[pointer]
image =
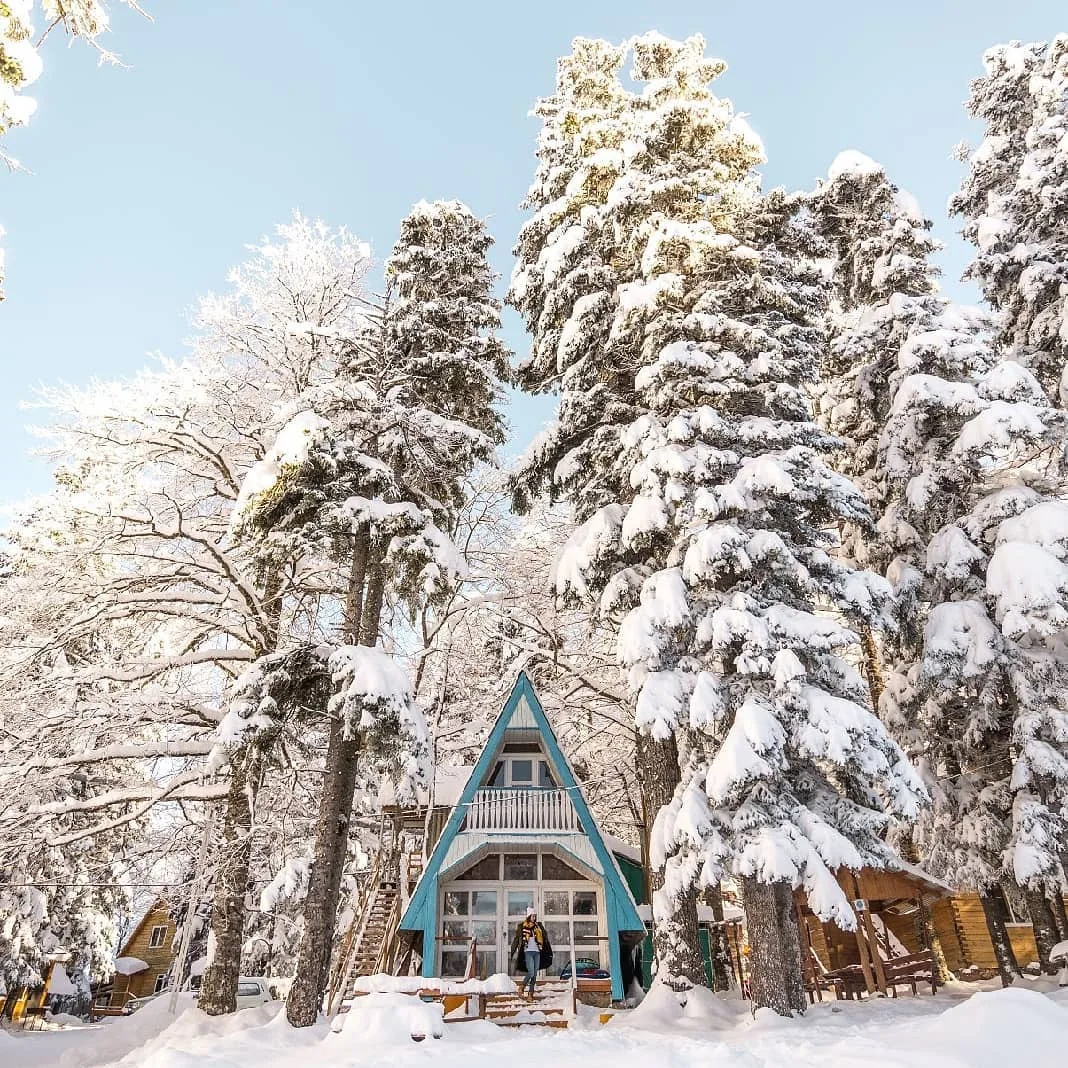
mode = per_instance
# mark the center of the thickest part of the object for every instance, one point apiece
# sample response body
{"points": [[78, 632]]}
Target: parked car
{"points": [[251, 990], [587, 969]]}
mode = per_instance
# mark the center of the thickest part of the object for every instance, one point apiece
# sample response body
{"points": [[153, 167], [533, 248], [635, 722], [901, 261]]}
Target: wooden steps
{"points": [[552, 1006]]}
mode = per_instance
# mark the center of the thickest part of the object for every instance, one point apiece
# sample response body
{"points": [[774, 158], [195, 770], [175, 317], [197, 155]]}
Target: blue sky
{"points": [[149, 181]]}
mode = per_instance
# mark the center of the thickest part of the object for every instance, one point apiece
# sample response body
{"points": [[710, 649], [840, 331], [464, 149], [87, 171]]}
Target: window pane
{"points": [[455, 931], [488, 869], [545, 777], [559, 935], [585, 903], [456, 903], [556, 901], [484, 903], [523, 866], [585, 930], [248, 990], [522, 772], [552, 867], [486, 963], [485, 931], [513, 926], [497, 780], [519, 901], [453, 963]]}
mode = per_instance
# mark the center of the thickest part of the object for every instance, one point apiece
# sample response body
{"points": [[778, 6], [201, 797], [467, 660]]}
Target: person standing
{"points": [[531, 950]]}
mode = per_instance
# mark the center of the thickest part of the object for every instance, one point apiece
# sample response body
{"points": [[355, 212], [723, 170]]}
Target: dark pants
{"points": [[533, 958]]}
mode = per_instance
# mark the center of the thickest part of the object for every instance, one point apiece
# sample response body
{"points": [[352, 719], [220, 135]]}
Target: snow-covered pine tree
{"points": [[907, 372], [705, 502], [571, 265], [1014, 203], [371, 479], [733, 633]]}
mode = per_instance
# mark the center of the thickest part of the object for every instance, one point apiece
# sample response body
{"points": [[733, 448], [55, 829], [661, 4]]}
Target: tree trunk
{"points": [[872, 667], [1060, 916], [1045, 928], [719, 947], [218, 989], [363, 612], [994, 911], [769, 971], [791, 947], [676, 943]]}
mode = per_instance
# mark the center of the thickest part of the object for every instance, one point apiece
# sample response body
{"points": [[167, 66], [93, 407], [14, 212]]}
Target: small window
{"points": [[545, 776], [248, 990], [497, 778], [556, 902], [484, 903], [159, 933], [161, 982], [585, 903], [522, 772], [455, 903]]}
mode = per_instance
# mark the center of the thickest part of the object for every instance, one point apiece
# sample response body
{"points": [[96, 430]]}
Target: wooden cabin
{"points": [[144, 963], [520, 836]]}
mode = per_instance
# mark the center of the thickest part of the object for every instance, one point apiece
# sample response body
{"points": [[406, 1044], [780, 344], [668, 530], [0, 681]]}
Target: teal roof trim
{"points": [[421, 913], [423, 903]]}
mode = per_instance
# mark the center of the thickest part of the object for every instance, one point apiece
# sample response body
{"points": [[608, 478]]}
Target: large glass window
{"points": [[522, 867], [469, 914]]}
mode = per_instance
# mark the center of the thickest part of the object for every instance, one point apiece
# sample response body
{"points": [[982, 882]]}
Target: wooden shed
{"points": [[896, 910]]}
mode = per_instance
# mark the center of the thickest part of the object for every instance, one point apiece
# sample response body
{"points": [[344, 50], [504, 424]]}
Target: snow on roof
{"points": [[130, 965], [705, 914], [60, 982], [621, 848], [852, 162], [919, 873], [449, 783]]}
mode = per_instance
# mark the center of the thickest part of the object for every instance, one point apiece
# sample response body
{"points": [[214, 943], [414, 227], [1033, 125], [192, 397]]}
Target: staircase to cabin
{"points": [[370, 942], [553, 1005]]}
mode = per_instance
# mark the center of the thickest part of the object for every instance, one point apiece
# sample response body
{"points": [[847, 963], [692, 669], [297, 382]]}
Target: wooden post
{"points": [[867, 944]]}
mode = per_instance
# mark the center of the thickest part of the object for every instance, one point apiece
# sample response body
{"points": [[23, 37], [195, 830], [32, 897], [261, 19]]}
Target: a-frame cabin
{"points": [[522, 836]]}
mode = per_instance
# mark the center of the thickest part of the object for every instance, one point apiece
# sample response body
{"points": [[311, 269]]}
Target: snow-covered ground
{"points": [[992, 1029]]}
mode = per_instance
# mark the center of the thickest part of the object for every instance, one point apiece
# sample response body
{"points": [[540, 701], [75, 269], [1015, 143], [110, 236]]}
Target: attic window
{"points": [[159, 933], [552, 867]]}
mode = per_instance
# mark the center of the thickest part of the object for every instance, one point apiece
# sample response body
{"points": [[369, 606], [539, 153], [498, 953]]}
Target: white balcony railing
{"points": [[522, 810]]}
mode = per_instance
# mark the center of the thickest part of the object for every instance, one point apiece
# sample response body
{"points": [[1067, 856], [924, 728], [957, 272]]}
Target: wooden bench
{"points": [[908, 971], [34, 1015], [99, 1011]]}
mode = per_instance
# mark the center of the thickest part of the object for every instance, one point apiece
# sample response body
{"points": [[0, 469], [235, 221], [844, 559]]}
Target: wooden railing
{"points": [[522, 810]]}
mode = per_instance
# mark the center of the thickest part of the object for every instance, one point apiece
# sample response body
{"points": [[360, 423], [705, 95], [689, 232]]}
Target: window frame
{"points": [[162, 929]]}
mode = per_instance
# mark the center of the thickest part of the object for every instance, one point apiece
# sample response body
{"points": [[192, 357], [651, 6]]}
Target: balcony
{"points": [[523, 810]]}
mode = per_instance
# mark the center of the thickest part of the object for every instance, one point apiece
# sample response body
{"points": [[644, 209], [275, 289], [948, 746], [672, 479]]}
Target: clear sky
{"points": [[149, 181]]}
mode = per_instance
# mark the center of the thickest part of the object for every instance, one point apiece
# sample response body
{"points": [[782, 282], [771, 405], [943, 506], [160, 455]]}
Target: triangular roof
{"points": [[523, 710]]}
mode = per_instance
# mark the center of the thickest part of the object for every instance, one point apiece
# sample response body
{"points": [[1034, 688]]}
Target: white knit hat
{"points": [[531, 912]]}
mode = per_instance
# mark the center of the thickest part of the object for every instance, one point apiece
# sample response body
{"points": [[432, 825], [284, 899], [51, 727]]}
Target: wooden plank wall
{"points": [[159, 959]]}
